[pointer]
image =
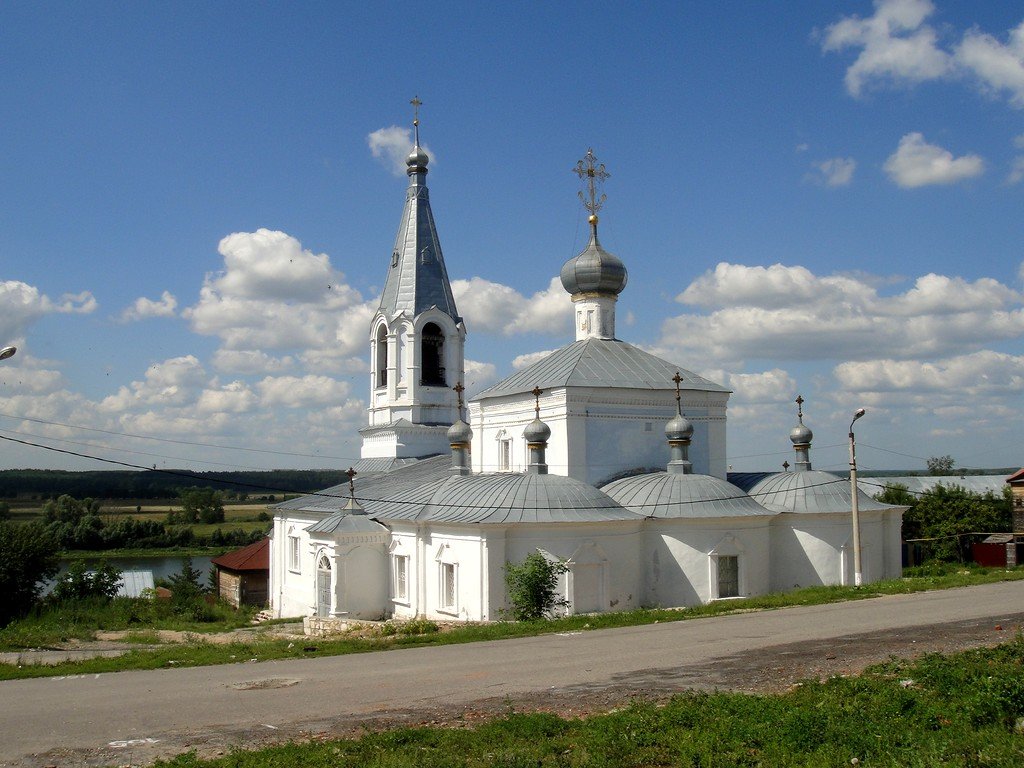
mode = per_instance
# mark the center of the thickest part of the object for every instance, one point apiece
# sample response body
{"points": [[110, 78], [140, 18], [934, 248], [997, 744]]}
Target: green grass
{"points": [[21, 635], [959, 710]]}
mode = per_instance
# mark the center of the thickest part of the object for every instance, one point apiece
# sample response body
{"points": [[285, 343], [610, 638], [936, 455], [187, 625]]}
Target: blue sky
{"points": [[199, 202]]}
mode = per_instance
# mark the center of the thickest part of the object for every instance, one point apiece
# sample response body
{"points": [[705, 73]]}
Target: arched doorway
{"points": [[323, 587]]}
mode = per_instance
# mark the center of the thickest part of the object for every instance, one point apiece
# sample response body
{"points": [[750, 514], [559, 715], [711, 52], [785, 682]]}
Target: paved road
{"points": [[162, 712]]}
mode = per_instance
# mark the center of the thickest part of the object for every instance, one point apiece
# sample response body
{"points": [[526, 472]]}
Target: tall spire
{"points": [[417, 278]]}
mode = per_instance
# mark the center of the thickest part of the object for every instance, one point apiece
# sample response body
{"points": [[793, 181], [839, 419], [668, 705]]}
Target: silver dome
{"points": [[594, 271], [537, 432]]}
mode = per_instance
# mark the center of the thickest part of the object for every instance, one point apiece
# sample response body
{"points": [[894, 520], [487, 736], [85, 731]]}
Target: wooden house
{"points": [[243, 576]]}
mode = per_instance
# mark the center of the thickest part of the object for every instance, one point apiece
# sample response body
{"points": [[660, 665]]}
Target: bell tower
{"points": [[417, 336]]}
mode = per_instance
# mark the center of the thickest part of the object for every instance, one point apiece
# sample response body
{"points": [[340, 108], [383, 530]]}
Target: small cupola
{"points": [[536, 435], [679, 432], [595, 278], [801, 437], [460, 437]]}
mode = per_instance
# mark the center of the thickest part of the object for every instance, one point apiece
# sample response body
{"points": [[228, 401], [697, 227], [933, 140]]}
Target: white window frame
{"points": [[294, 554], [448, 601], [505, 454], [718, 569], [400, 578]]}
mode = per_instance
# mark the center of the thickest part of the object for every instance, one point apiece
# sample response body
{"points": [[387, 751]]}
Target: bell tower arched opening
{"points": [[381, 364], [432, 372]]}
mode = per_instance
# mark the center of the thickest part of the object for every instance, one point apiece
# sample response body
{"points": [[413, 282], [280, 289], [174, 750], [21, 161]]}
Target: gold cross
{"points": [[595, 174], [459, 389], [537, 392]]}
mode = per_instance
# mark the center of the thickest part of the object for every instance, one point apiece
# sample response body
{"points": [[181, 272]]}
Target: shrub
{"points": [[27, 559], [79, 583], [533, 588]]}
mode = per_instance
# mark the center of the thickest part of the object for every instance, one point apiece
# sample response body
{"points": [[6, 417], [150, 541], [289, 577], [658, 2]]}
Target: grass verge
{"points": [[959, 710], [200, 653]]}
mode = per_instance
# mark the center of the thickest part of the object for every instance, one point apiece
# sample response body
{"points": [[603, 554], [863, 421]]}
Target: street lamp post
{"points": [[858, 576]]}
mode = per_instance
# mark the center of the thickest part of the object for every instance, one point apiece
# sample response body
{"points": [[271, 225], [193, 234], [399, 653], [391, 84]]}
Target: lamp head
{"points": [[7, 352], [860, 412]]}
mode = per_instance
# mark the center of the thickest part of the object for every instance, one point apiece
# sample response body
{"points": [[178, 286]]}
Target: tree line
{"points": [[161, 484]]}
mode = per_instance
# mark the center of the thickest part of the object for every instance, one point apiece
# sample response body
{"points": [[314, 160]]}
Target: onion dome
{"points": [[417, 160], [801, 434], [537, 432], [595, 270], [460, 432], [679, 428]]}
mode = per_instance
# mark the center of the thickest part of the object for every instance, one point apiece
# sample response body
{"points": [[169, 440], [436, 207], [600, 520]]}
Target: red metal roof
{"points": [[1016, 477], [255, 557]]}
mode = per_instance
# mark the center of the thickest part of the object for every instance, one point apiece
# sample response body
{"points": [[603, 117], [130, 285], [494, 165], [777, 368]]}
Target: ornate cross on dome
{"points": [[352, 482], [785, 466], [677, 379], [593, 174], [459, 389], [536, 392], [416, 104], [799, 408]]}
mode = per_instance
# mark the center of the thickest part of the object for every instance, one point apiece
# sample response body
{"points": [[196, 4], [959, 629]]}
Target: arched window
{"points": [[432, 357], [381, 367]]}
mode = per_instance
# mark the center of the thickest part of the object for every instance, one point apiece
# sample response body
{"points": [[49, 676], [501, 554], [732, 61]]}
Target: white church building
{"points": [[600, 456]]}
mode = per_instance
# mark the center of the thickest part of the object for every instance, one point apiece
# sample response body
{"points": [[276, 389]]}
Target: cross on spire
{"points": [[536, 392], [593, 175], [352, 482], [416, 104], [678, 379], [799, 408]]}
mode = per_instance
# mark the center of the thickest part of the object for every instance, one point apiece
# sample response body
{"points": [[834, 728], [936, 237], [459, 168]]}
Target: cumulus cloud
{"points": [[789, 313], [165, 306], [916, 163], [392, 146], [997, 67], [301, 391], [478, 376], [774, 386], [275, 295], [22, 304], [175, 381], [496, 308], [895, 45], [249, 361], [836, 172]]}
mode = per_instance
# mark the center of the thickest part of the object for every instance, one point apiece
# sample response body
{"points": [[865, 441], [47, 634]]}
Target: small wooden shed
{"points": [[243, 576]]}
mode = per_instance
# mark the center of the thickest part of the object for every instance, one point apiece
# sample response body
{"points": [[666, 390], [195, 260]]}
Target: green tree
{"points": [[946, 513], [80, 583], [64, 509], [28, 558], [5, 510], [897, 494], [940, 465], [202, 505], [533, 587]]}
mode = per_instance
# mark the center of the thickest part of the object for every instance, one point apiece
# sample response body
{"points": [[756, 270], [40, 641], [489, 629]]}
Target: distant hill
{"points": [[161, 484]]}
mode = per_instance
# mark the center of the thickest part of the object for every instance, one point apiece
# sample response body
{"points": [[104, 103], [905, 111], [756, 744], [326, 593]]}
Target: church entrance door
{"points": [[323, 587]]}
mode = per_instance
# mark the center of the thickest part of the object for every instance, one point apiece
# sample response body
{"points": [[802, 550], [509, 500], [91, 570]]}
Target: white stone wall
{"points": [[679, 558]]}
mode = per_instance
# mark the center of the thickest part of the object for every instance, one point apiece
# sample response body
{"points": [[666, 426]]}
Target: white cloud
{"points": [[22, 304], [997, 67], [301, 392], [915, 163], [249, 362], [235, 397], [774, 386], [895, 44], [1018, 141], [496, 308], [175, 381], [835, 172], [788, 313], [524, 361], [960, 378], [165, 306], [273, 294], [478, 376], [392, 145], [1016, 170]]}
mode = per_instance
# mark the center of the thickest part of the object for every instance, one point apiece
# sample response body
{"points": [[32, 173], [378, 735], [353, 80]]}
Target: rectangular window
{"points": [[293, 554], [448, 587], [504, 455], [400, 577], [728, 576]]}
